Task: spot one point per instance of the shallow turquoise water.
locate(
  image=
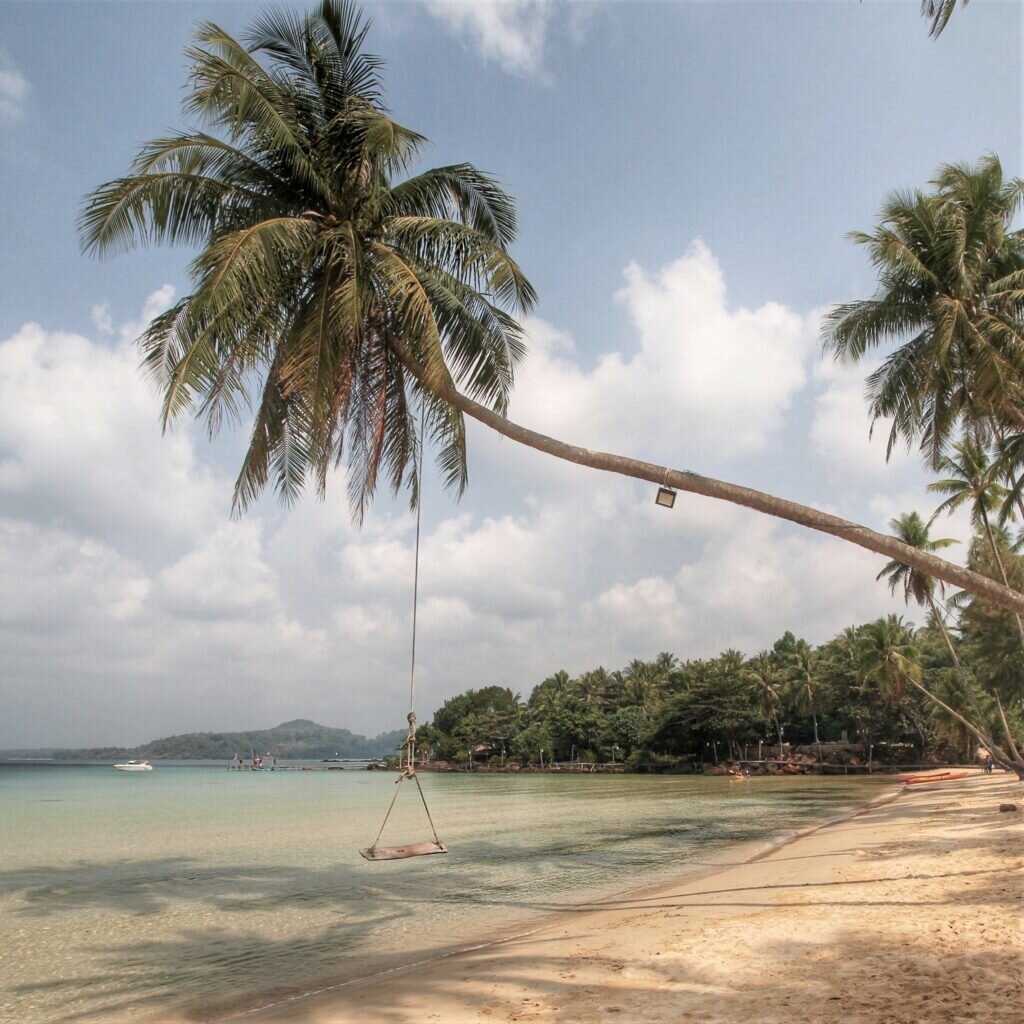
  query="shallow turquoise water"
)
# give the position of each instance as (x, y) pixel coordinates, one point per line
(188, 892)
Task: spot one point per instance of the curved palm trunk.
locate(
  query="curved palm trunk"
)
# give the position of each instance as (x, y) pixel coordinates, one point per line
(802, 515)
(1006, 729)
(997, 754)
(986, 737)
(1020, 629)
(1002, 568)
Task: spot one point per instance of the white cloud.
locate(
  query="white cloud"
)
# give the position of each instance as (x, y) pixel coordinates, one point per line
(841, 431)
(224, 577)
(101, 318)
(81, 446)
(56, 578)
(762, 580)
(743, 590)
(126, 586)
(511, 32)
(704, 381)
(14, 90)
(643, 616)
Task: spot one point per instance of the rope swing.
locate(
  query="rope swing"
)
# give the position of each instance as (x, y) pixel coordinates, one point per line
(407, 770)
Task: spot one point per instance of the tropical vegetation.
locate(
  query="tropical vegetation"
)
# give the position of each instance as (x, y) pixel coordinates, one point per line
(867, 693)
(360, 311)
(363, 310)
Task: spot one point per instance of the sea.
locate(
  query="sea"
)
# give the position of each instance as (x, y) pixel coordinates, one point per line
(194, 893)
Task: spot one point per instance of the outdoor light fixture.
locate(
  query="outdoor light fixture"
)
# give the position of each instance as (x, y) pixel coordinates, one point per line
(666, 497)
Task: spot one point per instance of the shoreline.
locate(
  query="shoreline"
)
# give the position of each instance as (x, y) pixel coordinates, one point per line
(748, 852)
(486, 982)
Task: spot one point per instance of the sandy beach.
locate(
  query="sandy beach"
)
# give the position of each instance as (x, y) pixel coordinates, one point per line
(909, 913)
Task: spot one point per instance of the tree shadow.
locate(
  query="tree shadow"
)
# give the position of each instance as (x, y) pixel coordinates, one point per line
(205, 973)
(863, 975)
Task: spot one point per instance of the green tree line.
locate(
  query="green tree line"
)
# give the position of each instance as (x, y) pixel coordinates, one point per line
(858, 687)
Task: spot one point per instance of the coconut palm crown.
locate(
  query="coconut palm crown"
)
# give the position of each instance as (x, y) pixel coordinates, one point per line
(887, 657)
(919, 586)
(320, 260)
(951, 295)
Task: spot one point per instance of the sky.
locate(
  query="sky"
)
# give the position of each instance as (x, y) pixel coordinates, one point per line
(686, 174)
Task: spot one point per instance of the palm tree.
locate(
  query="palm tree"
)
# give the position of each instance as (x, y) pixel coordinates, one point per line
(593, 686)
(549, 695)
(340, 297)
(1008, 466)
(802, 677)
(849, 640)
(314, 260)
(888, 657)
(641, 683)
(971, 480)
(913, 530)
(938, 12)
(950, 275)
(666, 662)
(765, 673)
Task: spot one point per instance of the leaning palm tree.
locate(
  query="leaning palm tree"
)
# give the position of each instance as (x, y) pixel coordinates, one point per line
(971, 481)
(950, 293)
(340, 298)
(913, 530)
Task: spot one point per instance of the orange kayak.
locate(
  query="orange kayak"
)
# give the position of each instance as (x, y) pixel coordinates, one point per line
(913, 780)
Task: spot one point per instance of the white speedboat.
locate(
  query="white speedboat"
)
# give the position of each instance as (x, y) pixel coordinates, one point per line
(134, 766)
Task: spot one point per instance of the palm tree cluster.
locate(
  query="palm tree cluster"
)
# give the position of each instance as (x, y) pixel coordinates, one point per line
(950, 303)
(951, 293)
(874, 684)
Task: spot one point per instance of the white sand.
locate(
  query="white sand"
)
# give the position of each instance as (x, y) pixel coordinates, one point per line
(912, 913)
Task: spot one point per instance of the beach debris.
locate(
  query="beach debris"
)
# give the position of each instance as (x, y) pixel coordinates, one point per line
(1007, 807)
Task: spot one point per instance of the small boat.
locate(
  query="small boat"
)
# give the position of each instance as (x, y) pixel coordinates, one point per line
(134, 766)
(916, 780)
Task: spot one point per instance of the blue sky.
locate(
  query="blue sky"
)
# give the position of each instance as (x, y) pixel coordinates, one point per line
(686, 174)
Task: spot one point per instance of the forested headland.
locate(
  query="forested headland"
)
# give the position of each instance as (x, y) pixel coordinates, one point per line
(301, 739)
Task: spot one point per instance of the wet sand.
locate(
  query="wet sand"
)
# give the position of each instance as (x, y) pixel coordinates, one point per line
(909, 913)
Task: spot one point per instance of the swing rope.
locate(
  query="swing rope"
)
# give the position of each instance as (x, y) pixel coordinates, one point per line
(408, 770)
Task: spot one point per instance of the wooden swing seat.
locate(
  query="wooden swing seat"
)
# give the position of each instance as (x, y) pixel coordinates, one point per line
(403, 852)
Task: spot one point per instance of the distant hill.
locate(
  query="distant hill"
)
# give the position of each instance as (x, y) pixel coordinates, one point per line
(298, 739)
